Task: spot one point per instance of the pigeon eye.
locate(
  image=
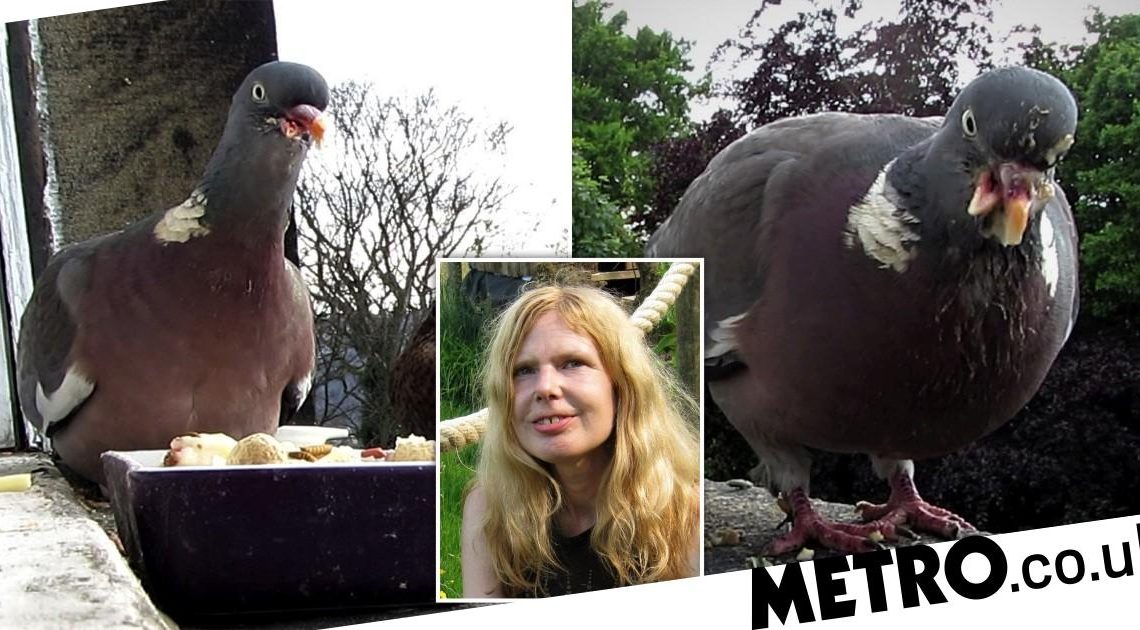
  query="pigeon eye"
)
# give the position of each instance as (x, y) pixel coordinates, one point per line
(969, 125)
(259, 92)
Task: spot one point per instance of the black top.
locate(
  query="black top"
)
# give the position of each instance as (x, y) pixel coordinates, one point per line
(583, 569)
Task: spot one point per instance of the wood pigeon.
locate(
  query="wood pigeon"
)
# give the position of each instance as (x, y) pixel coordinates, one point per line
(412, 391)
(884, 285)
(190, 320)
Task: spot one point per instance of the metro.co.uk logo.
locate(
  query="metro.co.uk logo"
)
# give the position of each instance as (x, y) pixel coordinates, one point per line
(973, 568)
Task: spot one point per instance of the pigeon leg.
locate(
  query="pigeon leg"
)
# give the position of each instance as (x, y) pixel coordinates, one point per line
(905, 507)
(808, 526)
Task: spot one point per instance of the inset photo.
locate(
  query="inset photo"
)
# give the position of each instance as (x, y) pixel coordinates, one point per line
(570, 456)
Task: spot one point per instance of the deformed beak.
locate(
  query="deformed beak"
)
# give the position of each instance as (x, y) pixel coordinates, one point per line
(1008, 198)
(305, 119)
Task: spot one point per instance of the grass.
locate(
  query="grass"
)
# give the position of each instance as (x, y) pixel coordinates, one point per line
(461, 331)
(455, 472)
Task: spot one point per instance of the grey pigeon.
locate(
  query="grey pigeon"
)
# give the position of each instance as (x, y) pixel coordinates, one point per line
(191, 319)
(884, 285)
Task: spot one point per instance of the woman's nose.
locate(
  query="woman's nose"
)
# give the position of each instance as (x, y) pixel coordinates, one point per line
(547, 383)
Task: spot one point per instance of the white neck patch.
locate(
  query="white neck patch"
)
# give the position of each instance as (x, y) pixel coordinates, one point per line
(183, 222)
(1050, 266)
(880, 228)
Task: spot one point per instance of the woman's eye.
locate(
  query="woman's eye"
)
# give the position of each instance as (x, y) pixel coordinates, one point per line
(573, 363)
(523, 371)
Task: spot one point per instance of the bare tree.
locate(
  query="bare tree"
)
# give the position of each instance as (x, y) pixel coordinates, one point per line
(396, 188)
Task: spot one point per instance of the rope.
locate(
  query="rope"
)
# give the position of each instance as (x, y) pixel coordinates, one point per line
(649, 314)
(458, 433)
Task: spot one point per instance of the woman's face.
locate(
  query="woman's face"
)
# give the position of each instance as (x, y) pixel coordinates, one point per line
(564, 398)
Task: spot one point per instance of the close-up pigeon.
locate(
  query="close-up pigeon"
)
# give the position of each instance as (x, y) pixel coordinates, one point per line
(191, 319)
(884, 285)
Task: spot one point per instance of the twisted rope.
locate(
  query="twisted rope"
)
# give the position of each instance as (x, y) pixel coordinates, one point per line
(649, 314)
(458, 433)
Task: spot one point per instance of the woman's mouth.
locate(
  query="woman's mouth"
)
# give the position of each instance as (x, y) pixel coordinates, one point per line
(551, 424)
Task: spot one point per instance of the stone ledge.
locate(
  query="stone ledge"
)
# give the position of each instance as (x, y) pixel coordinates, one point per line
(58, 568)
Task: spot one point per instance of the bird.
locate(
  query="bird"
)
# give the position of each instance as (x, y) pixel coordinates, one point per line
(883, 285)
(412, 394)
(190, 320)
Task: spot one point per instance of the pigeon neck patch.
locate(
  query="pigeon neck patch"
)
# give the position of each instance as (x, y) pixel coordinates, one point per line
(1050, 264)
(183, 222)
(884, 231)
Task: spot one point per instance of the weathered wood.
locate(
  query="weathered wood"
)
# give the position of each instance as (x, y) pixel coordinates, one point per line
(15, 261)
(605, 276)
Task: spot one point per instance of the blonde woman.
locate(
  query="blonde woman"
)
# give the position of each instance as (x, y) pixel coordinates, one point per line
(589, 473)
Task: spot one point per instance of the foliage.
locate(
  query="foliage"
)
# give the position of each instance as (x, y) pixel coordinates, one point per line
(599, 230)
(395, 190)
(629, 93)
(462, 326)
(1101, 174)
(908, 65)
(676, 162)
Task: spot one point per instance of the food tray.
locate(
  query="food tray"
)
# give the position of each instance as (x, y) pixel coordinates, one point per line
(252, 539)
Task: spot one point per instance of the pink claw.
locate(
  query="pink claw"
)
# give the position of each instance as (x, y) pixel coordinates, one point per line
(905, 507)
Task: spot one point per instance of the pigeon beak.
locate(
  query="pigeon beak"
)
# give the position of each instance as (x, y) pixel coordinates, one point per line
(301, 119)
(1008, 199)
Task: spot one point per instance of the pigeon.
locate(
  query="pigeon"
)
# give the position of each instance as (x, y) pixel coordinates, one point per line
(190, 320)
(884, 285)
(412, 394)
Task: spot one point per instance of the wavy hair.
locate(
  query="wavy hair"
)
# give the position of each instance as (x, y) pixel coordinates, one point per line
(648, 501)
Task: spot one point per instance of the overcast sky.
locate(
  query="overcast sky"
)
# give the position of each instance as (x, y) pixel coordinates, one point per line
(497, 60)
(707, 24)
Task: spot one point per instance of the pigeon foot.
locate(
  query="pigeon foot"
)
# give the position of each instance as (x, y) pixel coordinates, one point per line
(905, 507)
(808, 526)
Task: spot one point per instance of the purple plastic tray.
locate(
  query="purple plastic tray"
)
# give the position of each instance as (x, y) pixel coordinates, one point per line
(248, 539)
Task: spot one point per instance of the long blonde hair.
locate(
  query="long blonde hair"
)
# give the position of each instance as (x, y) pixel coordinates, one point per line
(648, 501)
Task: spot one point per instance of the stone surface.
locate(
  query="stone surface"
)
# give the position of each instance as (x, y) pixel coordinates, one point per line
(58, 569)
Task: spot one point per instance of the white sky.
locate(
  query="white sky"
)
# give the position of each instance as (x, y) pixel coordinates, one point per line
(707, 24)
(497, 60)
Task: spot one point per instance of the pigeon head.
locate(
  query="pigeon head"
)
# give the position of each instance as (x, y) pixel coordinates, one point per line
(285, 98)
(275, 116)
(1009, 127)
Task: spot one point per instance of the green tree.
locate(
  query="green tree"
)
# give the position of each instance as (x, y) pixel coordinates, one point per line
(599, 229)
(1101, 174)
(629, 93)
